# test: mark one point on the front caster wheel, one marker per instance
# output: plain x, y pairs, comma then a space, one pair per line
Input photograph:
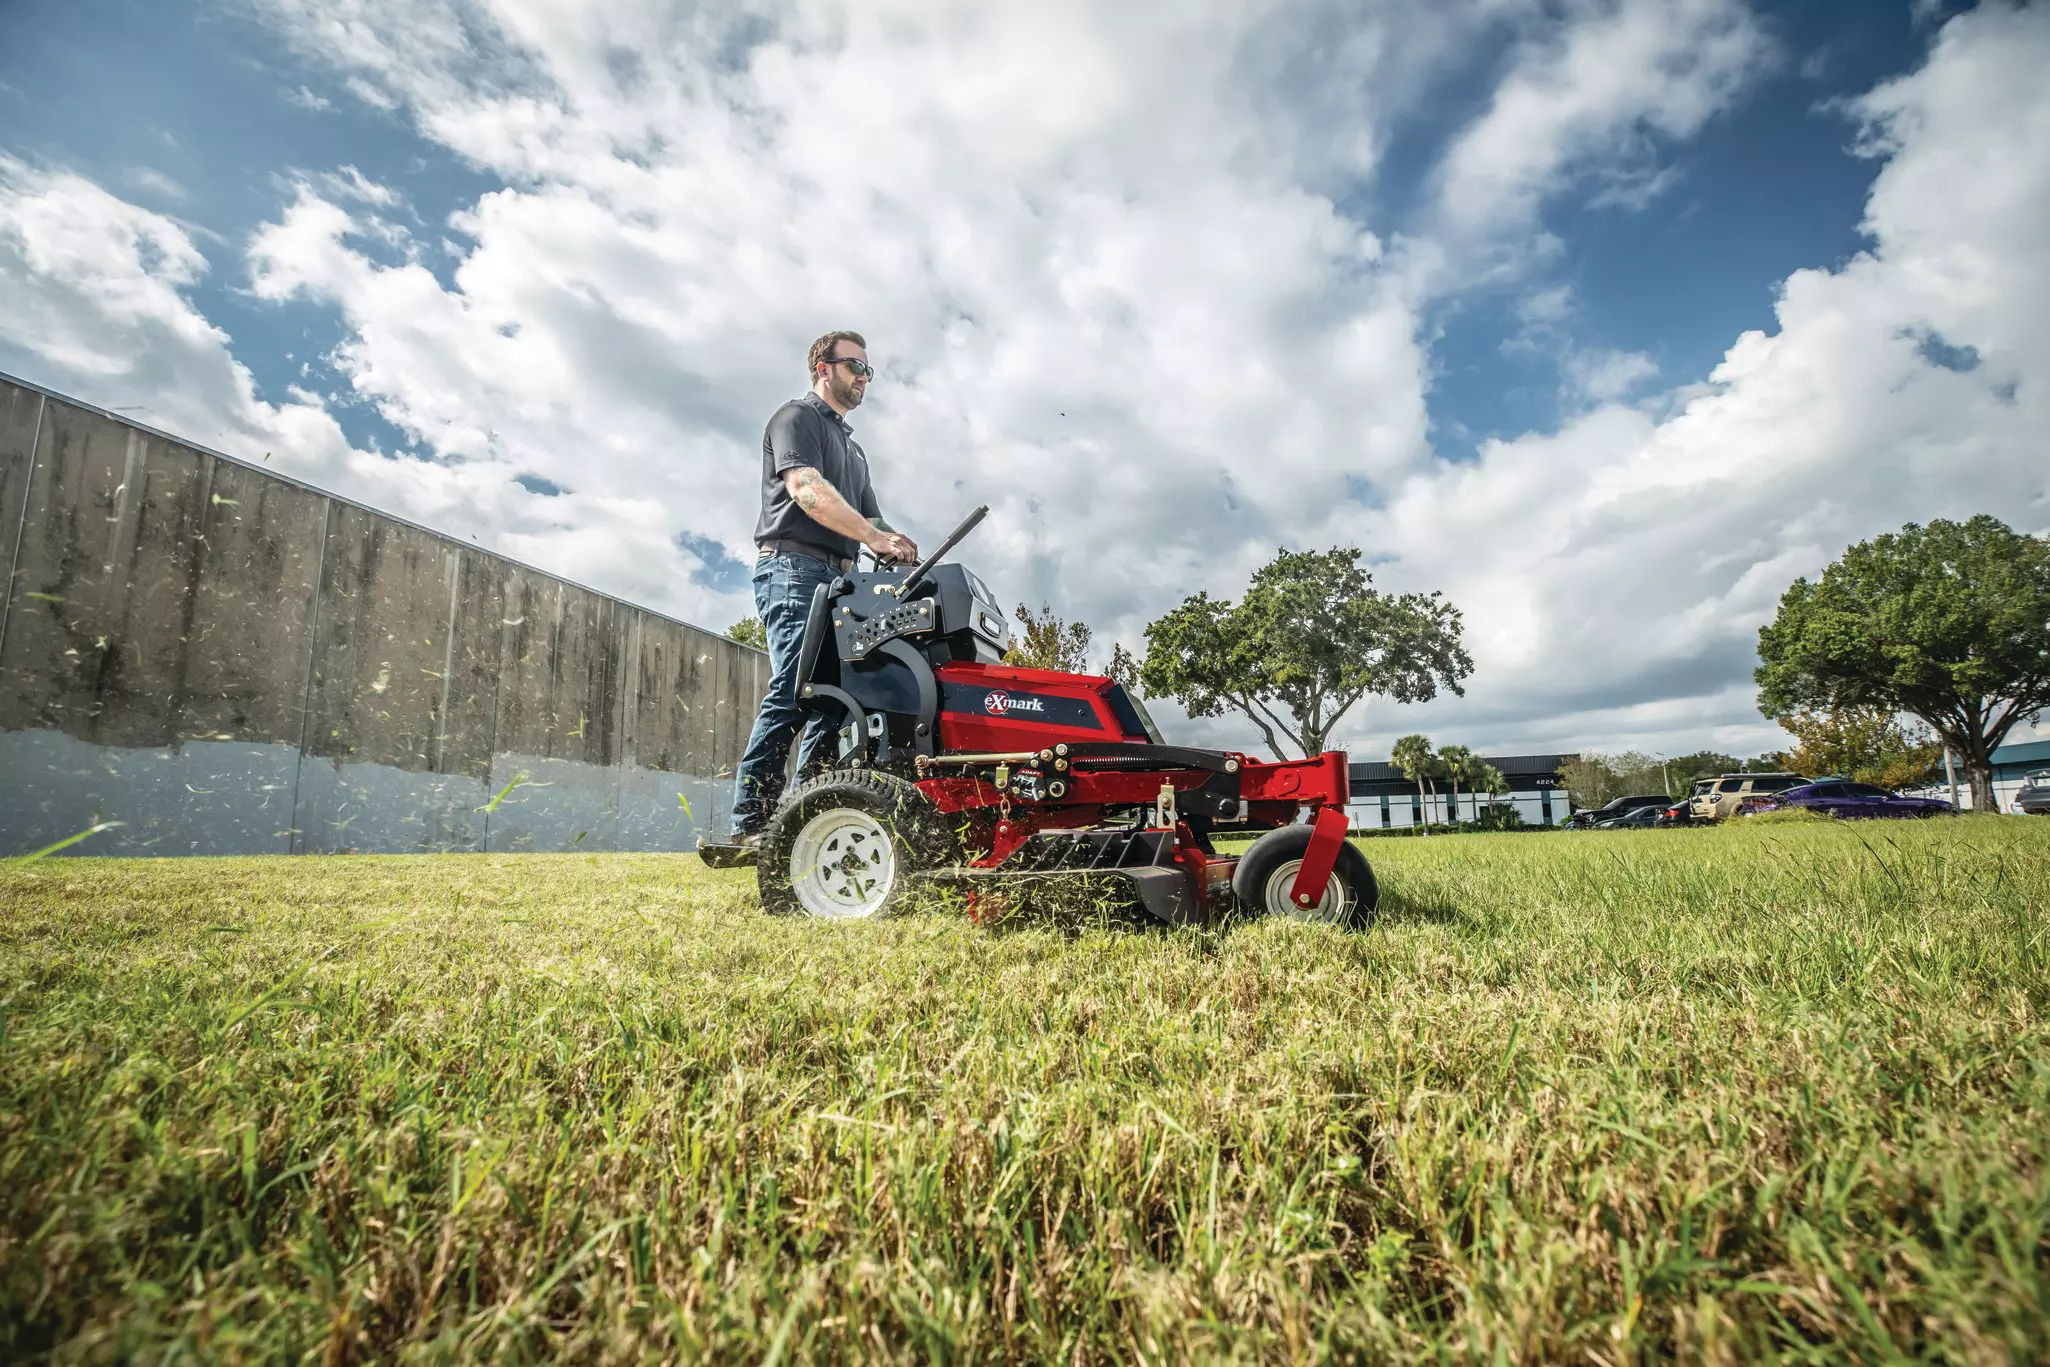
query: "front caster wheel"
1265, 880
843, 847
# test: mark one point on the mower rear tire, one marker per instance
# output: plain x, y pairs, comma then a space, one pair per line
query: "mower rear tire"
1266, 876
844, 846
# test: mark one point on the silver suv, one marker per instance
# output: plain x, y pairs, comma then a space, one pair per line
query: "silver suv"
1717, 799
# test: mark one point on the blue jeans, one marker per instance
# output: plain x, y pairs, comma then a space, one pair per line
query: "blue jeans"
783, 586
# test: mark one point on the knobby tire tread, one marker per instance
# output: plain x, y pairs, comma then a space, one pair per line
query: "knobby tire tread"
921, 835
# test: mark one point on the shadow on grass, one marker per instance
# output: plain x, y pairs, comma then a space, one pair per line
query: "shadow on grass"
1396, 907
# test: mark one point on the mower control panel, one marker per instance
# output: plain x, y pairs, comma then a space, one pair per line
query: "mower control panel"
902, 621
950, 612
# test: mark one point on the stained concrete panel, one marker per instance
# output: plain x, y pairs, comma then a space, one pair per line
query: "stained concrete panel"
671, 724
378, 694
114, 595
671, 727
381, 642
105, 582
251, 636
21, 411
561, 726
734, 707
560, 670
476, 644
699, 681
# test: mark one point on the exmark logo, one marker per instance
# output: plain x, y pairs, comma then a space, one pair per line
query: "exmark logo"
1002, 704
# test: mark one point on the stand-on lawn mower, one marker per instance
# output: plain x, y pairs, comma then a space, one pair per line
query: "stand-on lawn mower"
967, 772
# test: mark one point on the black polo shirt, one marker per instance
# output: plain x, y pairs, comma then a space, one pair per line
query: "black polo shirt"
806, 431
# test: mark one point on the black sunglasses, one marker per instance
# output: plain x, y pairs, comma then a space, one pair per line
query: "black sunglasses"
854, 363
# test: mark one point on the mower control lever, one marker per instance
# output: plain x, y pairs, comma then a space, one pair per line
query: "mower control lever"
912, 580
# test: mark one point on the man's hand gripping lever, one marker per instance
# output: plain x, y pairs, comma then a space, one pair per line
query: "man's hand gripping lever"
890, 547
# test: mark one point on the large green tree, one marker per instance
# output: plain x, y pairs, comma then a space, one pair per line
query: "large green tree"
1124, 667
1590, 779
1685, 769
1046, 642
1949, 623
1310, 638
1868, 744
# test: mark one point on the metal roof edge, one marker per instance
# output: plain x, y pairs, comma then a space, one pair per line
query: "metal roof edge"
2021, 752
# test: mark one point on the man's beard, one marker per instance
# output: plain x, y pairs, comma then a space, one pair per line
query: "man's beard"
844, 393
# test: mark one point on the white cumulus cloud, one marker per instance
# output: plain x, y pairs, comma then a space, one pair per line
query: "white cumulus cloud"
1585, 100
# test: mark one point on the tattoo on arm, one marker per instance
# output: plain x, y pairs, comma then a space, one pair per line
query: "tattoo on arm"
807, 499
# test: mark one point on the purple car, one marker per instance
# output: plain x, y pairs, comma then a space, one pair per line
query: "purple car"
1846, 800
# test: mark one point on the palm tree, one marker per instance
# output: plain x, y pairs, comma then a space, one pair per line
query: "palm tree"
1459, 764
1412, 755
1486, 778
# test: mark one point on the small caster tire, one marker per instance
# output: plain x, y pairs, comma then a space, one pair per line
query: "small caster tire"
1267, 872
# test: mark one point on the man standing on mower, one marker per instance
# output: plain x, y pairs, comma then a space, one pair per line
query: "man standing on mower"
818, 509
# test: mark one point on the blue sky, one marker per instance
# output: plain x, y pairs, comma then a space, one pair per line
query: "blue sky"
1767, 188
1512, 294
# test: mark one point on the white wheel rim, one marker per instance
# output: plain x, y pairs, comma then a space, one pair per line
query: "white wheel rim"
1281, 884
842, 865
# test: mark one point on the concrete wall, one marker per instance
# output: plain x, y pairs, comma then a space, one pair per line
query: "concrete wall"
228, 662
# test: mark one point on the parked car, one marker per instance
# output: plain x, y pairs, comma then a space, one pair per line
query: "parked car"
1678, 813
1636, 819
1590, 817
2034, 797
1721, 796
1845, 801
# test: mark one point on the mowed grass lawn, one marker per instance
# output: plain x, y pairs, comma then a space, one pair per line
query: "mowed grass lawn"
1722, 1094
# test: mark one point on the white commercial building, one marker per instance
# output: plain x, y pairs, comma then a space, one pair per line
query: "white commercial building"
1383, 799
